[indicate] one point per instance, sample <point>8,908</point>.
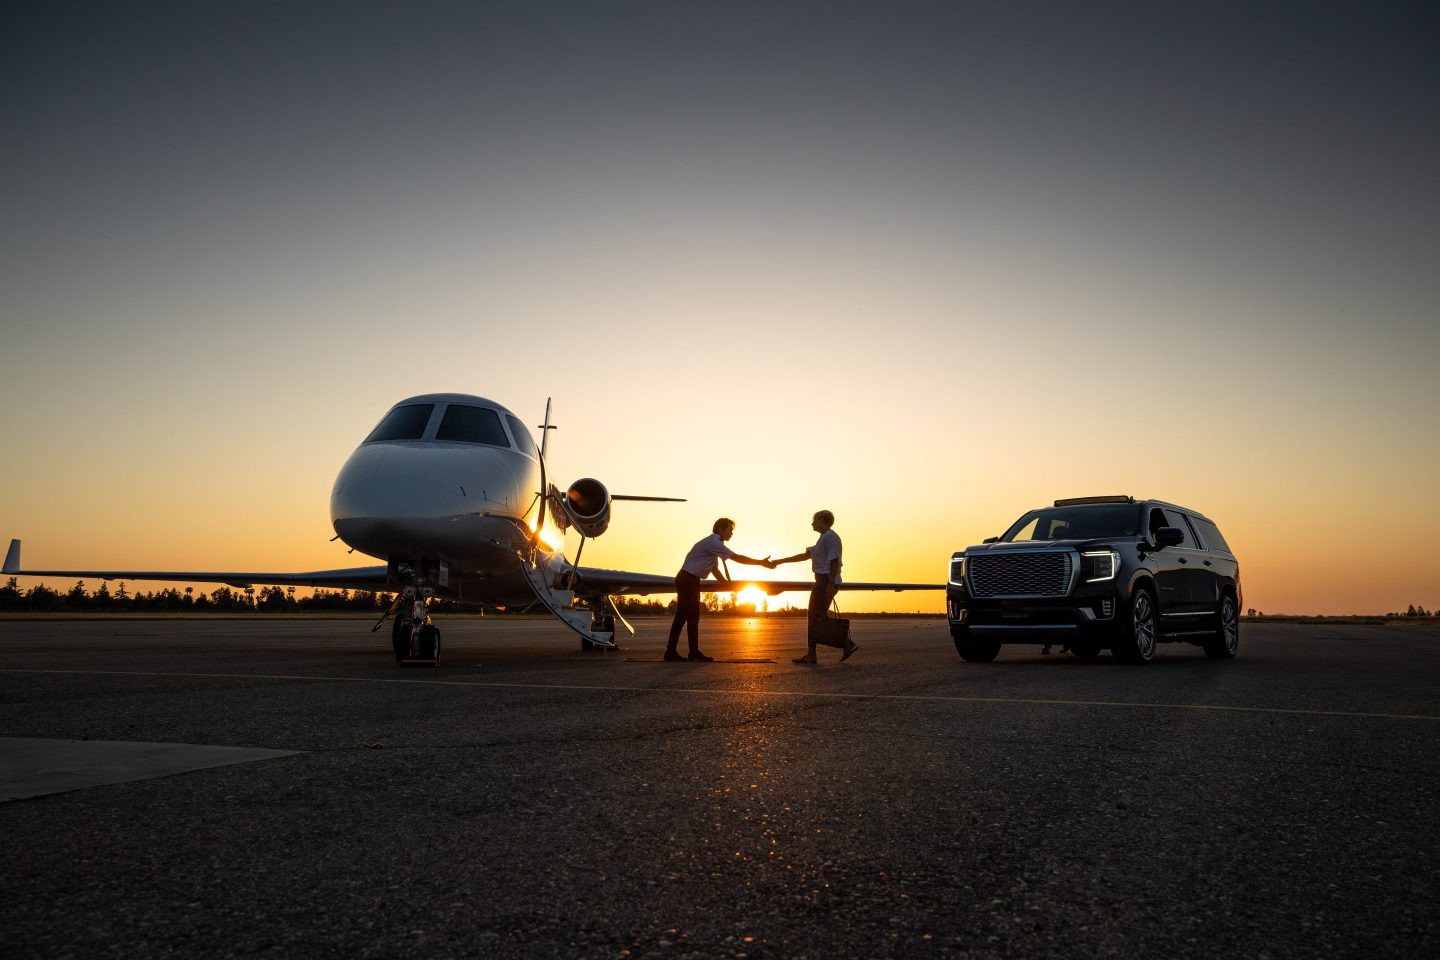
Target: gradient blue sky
<point>928,265</point>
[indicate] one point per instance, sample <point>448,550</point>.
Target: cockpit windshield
<point>1088,522</point>
<point>466,424</point>
<point>522,437</point>
<point>403,423</point>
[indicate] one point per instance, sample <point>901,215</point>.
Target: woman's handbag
<point>833,631</point>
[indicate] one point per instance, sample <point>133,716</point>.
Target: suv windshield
<point>1076,523</point>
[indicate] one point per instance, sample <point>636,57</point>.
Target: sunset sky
<point>926,265</point>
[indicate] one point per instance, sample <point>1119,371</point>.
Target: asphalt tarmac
<point>530,800</point>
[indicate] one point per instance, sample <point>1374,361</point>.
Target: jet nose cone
<point>424,480</point>
<point>383,480</point>
<point>349,496</point>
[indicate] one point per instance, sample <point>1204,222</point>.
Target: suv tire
<point>972,650</point>
<point>1226,642</point>
<point>1136,642</point>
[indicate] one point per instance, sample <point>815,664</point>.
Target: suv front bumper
<point>1091,611</point>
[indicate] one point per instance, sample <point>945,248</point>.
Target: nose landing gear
<point>415,638</point>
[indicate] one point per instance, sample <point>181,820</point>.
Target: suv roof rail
<point>1078,500</point>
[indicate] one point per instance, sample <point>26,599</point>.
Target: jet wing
<point>351,578</point>
<point>593,581</point>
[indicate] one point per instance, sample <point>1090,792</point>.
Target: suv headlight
<point>957,570</point>
<point>1100,565</point>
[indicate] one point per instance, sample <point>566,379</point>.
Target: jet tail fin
<point>12,558</point>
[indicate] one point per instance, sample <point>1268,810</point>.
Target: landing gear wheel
<point>974,651</point>
<point>427,645</point>
<point>1226,642</point>
<point>400,638</point>
<point>1136,643</point>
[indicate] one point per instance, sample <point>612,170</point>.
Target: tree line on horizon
<point>1413,612</point>
<point>274,599</point>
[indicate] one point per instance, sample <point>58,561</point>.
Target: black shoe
<point>674,655</point>
<point>808,658</point>
<point>849,650</point>
<point>699,657</point>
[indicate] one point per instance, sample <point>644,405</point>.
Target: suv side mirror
<point>1168,537</point>
<point>990,540</point>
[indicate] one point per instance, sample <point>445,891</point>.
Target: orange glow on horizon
<point>931,340</point>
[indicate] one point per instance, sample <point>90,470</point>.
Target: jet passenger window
<point>522,437</point>
<point>463,424</point>
<point>403,423</point>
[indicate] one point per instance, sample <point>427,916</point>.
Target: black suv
<point>1098,572</point>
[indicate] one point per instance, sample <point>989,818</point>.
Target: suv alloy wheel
<point>1136,643</point>
<point>1226,642</point>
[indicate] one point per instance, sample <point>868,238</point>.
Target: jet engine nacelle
<point>587,505</point>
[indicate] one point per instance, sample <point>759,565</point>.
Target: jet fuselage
<point>446,484</point>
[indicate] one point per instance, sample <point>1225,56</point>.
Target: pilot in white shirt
<point>702,560</point>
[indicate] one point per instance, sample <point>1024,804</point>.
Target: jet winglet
<point>12,558</point>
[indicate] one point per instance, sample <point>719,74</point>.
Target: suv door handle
<point>1183,560</point>
<point>1207,563</point>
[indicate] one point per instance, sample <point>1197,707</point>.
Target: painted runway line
<point>723,692</point>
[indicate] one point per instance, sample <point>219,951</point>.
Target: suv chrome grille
<point>1036,574</point>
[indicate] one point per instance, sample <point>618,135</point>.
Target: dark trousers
<point>819,611</point>
<point>687,611</point>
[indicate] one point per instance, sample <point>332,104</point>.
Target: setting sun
<point>753,596</point>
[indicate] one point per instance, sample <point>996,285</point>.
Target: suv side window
<point>1156,521</point>
<point>1211,535</point>
<point>1177,520</point>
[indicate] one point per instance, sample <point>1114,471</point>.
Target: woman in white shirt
<point>702,560</point>
<point>825,563</point>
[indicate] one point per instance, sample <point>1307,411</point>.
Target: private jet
<point>451,492</point>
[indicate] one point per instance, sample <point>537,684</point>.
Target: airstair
<point>547,579</point>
